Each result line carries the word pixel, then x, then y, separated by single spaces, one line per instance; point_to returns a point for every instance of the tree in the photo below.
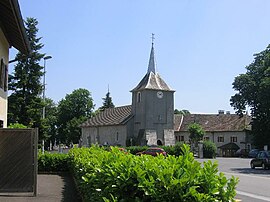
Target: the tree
pixel 50 121
pixel 196 132
pixel 73 110
pixel 183 112
pixel 25 102
pixel 253 91
pixel 107 102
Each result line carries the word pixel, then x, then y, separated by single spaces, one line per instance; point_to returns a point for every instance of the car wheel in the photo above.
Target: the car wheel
pixel 252 165
pixel 263 166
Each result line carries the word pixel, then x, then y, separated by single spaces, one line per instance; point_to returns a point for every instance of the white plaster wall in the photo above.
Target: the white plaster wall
pixel 104 134
pixel 4 54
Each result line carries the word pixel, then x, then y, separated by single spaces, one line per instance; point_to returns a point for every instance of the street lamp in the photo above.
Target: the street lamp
pixel 43 110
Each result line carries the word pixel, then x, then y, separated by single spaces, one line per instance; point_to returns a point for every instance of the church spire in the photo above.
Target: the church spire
pixel 152 63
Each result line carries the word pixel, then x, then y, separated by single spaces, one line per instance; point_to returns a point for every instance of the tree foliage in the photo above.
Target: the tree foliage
pixel 183 112
pixel 25 103
pixel 73 110
pixel 107 102
pixel 196 132
pixel 253 91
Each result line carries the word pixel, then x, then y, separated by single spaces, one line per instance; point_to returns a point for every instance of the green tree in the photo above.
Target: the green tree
pixel 50 121
pixel 73 110
pixel 107 102
pixel 253 89
pixel 183 112
pixel 25 102
pixel 196 132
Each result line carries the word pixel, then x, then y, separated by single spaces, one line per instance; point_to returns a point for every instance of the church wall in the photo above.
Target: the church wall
pixel 111 135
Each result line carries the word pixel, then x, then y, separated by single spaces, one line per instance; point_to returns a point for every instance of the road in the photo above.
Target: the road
pixel 254 184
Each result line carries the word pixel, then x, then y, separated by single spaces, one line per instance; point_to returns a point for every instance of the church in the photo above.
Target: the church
pixel 149 120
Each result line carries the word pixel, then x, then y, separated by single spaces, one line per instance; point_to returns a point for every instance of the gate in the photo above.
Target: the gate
pixel 18 160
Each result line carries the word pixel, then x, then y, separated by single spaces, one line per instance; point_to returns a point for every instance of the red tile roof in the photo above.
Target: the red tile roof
pixel 216 122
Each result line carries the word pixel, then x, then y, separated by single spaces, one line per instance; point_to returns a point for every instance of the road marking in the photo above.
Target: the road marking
pixel 253 196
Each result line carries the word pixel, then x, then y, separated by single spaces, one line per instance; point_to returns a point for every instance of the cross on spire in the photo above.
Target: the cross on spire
pixel 153 37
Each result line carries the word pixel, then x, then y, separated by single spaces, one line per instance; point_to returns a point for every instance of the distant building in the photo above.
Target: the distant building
pixel 229 132
pixel 12 33
pixel 149 120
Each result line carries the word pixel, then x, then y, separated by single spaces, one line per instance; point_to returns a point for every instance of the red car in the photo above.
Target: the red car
pixel 153 151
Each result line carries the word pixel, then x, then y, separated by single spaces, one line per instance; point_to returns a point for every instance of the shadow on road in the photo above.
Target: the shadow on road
pixel 259 171
pixel 69 191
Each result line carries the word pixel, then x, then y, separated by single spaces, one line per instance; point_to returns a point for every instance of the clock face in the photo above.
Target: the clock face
pixel 159 94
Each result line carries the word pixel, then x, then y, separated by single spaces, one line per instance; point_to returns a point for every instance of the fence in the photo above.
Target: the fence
pixel 18 160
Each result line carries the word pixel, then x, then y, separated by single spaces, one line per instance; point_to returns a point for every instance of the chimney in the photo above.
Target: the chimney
pixel 220 111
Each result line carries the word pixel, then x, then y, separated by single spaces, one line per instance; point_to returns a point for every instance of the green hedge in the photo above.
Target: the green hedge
pixel 53 162
pixel 116 176
pixel 209 149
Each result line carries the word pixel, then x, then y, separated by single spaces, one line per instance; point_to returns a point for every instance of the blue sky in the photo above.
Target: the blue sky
pixel 200 46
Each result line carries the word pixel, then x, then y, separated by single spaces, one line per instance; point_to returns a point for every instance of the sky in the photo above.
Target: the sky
pixel 200 46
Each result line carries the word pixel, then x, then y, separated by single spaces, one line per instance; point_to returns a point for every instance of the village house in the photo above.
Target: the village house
pixel 229 132
pixel 150 120
pixel 12 33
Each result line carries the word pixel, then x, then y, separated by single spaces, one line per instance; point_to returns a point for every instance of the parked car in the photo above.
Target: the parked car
pixel 153 151
pixel 243 153
pixel 261 160
pixel 253 153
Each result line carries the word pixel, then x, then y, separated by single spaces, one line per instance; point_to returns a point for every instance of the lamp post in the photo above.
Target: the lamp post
pixel 44 88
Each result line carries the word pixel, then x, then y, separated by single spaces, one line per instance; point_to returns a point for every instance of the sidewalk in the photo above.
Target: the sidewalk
pixel 50 188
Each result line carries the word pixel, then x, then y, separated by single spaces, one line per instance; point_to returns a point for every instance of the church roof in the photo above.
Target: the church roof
pixel 152 79
pixel 110 116
pixel 214 122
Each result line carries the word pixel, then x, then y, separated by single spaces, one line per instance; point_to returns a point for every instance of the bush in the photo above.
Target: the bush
pixel 52 162
pixel 135 149
pixel 116 176
pixel 209 149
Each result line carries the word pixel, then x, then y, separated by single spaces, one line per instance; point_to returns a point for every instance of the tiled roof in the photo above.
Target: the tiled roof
pixel 111 116
pixel 215 122
pixel 152 81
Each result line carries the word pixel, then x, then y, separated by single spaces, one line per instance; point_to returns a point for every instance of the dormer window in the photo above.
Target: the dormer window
pixel 139 97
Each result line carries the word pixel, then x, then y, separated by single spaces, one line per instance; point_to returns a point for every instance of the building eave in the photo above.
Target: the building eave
pixel 13 26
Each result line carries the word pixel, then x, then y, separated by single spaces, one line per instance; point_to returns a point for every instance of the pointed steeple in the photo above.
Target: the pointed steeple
pixel 152 63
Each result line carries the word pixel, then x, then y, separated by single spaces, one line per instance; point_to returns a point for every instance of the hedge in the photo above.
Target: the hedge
pixel 116 176
pixel 53 162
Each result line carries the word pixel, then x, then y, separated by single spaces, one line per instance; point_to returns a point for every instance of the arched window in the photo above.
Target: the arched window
pixel 139 97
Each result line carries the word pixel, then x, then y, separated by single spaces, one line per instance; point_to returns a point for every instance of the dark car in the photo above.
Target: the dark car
pixel 261 160
pixel 153 151
pixel 241 153
pixel 253 153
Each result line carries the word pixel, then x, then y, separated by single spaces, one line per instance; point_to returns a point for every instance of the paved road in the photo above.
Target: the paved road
pixel 51 188
pixel 254 184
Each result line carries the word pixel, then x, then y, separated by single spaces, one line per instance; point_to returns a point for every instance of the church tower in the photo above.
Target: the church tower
pixel 153 108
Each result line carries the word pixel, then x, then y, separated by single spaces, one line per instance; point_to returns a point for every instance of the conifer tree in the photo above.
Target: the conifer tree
pixel 107 102
pixel 25 102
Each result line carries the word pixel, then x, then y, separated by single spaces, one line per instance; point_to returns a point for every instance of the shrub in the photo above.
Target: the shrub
pixel 136 149
pixel 209 149
pixel 52 162
pixel 116 176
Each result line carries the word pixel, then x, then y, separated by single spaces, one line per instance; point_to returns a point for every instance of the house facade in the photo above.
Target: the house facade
pixel 149 120
pixel 12 33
